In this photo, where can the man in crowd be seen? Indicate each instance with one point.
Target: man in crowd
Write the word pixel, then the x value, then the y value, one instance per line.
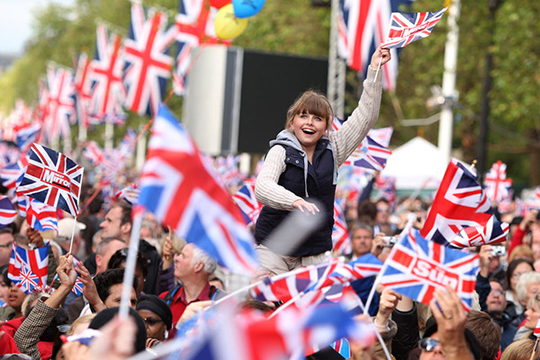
pixel 118 223
pixel 192 267
pixel 502 312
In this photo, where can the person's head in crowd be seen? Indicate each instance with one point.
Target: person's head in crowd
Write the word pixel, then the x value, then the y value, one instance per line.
pixel 431 348
pixel 105 249
pixel 80 324
pixel 521 252
pixel 367 212
pixel 383 211
pixel 193 265
pixel 118 261
pixel 487 333
pixel 148 230
pixel 520 350
pixel 216 281
pixel 533 312
pixel 109 285
pixel 361 239
pixel 496 301
pixel 514 271
pixel 157 316
pixel 535 249
pixel 527 287
pixel 253 304
pixel 104 316
pixel 65 230
pixel 6 241
pixel 118 221
pixel 4 281
pixel 15 299
pixel 96 239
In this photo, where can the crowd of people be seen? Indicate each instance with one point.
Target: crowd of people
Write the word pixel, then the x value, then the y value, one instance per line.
pixel 174 279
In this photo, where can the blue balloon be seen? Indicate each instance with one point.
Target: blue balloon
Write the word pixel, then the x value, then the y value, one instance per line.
pixel 247 8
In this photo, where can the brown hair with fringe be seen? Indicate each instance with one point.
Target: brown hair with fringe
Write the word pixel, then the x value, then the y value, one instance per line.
pixel 311 102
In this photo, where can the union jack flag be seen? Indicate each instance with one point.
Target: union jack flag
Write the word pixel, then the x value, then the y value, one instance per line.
pixel 340 233
pixel 492 232
pixel 195 25
pixel 382 135
pixel 370 154
pixel 8 214
pixel 53 179
pixel 108 92
pixel 362 26
pixel 58 102
pixel 248 204
pixel 127 144
pixel 363 267
pixel 460 202
pixel 147 65
pixel 12 171
pixel 387 188
pixel 408 27
pixel 497 185
pixel 537 329
pixel 41 216
pixel 93 153
pixel 130 194
pixel 181 192
pixel 417 267
pixel 83 87
pixel 284 287
pixel 27 135
pixel 28 268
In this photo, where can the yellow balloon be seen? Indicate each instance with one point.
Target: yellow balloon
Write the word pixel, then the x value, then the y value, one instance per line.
pixel 227 25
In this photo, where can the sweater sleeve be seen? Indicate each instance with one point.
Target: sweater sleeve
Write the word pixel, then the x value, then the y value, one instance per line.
pixel 32 328
pixel 267 190
pixel 354 130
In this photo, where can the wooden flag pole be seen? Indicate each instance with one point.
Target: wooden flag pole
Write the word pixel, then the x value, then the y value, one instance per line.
pixel 534 349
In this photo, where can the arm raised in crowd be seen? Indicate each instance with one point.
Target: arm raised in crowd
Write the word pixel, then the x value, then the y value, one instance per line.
pixel 28 334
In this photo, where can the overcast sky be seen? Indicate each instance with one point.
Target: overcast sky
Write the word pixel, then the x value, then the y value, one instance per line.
pixel 16 17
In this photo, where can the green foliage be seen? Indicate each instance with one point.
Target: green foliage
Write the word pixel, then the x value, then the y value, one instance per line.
pixel 295 27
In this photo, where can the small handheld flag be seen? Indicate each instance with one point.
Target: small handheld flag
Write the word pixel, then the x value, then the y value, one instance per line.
pixel 408 27
pixel 53 179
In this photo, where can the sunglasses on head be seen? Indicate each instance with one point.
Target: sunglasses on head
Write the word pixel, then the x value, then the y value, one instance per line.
pixel 428 344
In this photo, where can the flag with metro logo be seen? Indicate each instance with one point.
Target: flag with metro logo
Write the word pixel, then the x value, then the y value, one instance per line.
pixel 408 27
pixel 417 267
pixel 29 268
pixel 52 178
pixel 183 194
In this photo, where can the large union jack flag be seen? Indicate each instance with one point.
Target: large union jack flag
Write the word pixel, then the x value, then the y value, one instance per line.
pixel 362 26
pixel 147 65
pixel 178 188
pixel 460 202
pixel 53 179
pixel 408 27
pixel 417 267
pixel 248 204
pixel 58 102
pixel 28 268
pixel 108 92
pixel 497 185
pixel 195 25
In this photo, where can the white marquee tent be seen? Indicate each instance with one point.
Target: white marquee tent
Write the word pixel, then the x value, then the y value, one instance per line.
pixel 417 164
